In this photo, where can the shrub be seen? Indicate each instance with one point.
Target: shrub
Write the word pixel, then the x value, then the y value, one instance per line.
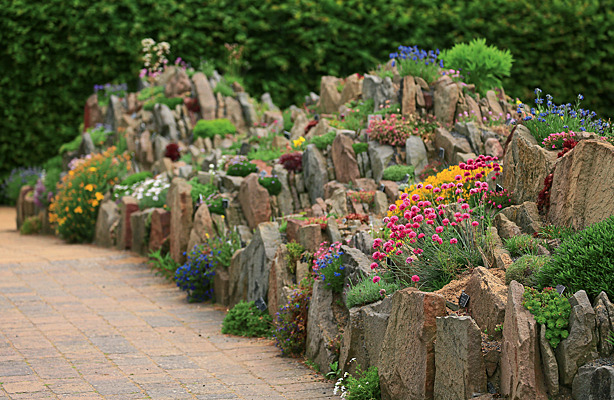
pixel 72 146
pixel 328 266
pixel 264 154
pixel 584 261
pixel 149 92
pixel 171 102
pixel 195 276
pixel 523 270
pixel 549 232
pixel 367 291
pixel 162 264
pixel 292 162
pixel 200 192
pixel 10 188
pixel 172 152
pixel 210 128
pixel 291 320
pixel 46 186
pixel 136 178
pixel 360 147
pixel 480 64
pixel 75 206
pixel 240 166
pixel 393 130
pixel 355 118
pixel 417 62
pixel 223 248
pixel 99 134
pixel 272 184
pixel 550 309
pixel 545 120
pixel 521 245
pixel 322 142
pixel 398 173
pixel 362 196
pixel 32 225
pixel 245 319
pixel 363 386
pixel 295 251
pixel 151 193
pixel 224 89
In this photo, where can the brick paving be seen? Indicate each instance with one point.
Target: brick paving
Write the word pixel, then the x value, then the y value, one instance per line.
pixel 81 322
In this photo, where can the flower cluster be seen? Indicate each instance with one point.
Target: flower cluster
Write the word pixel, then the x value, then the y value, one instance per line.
pixel 498 199
pixel 410 60
pixel 154 57
pixel 393 130
pixel 363 196
pixel 328 266
pixel 172 151
pixel 150 193
pixel 75 206
pixel 555 140
pixel 291 320
pixel 104 92
pixel 292 162
pixel 240 166
pixel 21 176
pixel 544 119
pixel 435 231
pixel 195 276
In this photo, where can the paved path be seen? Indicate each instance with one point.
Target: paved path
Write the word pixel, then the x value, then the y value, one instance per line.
pixel 81 322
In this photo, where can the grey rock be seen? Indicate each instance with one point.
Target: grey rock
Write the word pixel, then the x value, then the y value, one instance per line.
pixel 445 97
pixel 234 113
pixel 202 228
pixel 473 134
pixel 357 266
pixel 330 98
pixel 505 227
pixel 87 145
pixel 115 112
pixel 332 230
pixel 488 300
pixel 594 383
pixel 231 183
pixel 551 367
pixel 604 314
pixel 581 344
pixel 279 278
pixel 415 153
pixel 108 216
pixel 300 123
pixel 451 144
pixel 363 241
pixel 314 171
pixel 525 216
pixel 180 203
pixel 321 326
pixel 338 203
pixel 266 99
pixel 249 112
pixel 237 279
pixel 379 90
pixel 205 95
pixel 160 142
pixel 380 203
pixel 381 157
pixel 284 198
pixel 257 258
pixel 460 371
pixel 140 231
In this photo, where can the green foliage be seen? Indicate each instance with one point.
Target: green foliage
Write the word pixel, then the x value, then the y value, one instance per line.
pixel 99 135
pixel 412 61
pixel 150 92
pixel 295 250
pixel 245 319
pixel 584 261
pixel 322 142
pixel 523 270
pixel 367 291
pixel 335 371
pixel 555 232
pixel 171 102
pixel 31 225
pixel 479 64
pixel 224 89
pixel 223 247
pixel 136 178
pixel 241 167
pixel 356 116
pixel 58 46
pixel 272 184
pixel 328 265
pixel 264 154
pixel 363 386
pixel 549 309
pixel 360 147
pixel 283 226
pixel 162 264
pixel 195 276
pixel 210 128
pixel 397 173
pixel 200 191
pixel 521 244
pixel 12 184
pixel 291 320
pixel 71 146
pixel 287 116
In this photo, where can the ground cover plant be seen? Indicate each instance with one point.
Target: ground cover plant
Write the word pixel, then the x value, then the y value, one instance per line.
pixel 240 166
pixel 210 128
pixel 370 289
pixel 412 61
pixel 272 184
pixel 150 193
pixel 74 208
pixel 551 310
pixel 162 264
pixel 328 265
pixel 364 385
pixel 521 245
pixel 398 173
pixel 524 269
pixel 245 319
pixel 195 276
pixel 291 320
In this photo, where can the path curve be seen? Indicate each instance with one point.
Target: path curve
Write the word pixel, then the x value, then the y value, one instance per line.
pixel 82 322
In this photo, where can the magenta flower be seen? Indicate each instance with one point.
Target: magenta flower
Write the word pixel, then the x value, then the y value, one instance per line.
pixel 453 241
pixel 415 278
pixel 373 265
pixel 376 279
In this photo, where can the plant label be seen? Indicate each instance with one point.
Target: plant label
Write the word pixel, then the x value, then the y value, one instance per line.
pixel 463 300
pixel 560 289
pixel 442 153
pixel 260 304
pixel 225 203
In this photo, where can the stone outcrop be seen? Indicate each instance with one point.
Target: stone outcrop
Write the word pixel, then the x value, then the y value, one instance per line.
pixel 488 300
pixel 257 258
pixel 160 228
pixel 582 192
pixel 322 327
pixel 451 145
pixel 415 153
pixel 344 160
pixel 378 89
pixel 381 157
pixel 604 317
pixel 551 367
pixel 330 98
pixel 525 216
pixel 445 97
pixel 521 371
pixel 352 89
pixel 202 228
pixel 407 357
pixel 138 223
pixel 314 172
pixel 254 200
pixel 107 220
pixel 526 165
pixel 460 372
pixel 127 206
pixel 179 200
pixel 205 95
pixel 594 383
pixel 279 278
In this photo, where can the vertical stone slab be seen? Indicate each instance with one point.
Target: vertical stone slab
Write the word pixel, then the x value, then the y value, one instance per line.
pixel 521 369
pixel 108 216
pixel 138 223
pixel 202 228
pixel 344 159
pixel 314 172
pixel 127 206
pixel 160 228
pixel 205 95
pixel 257 259
pixel 255 201
pixel 407 358
pixel 180 203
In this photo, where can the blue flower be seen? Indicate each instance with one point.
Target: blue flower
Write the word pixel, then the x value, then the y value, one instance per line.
pixel 580 97
pixel 537 91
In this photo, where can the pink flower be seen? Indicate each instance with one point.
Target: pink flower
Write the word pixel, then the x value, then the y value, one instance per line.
pixel 376 279
pixel 404 196
pixel 415 197
pixel 453 241
pixel 373 265
pixel 415 278
pixel 475 223
pixel 445 221
pixel 435 237
pixel 420 235
pixel 439 229
pixel 392 207
pixel 409 260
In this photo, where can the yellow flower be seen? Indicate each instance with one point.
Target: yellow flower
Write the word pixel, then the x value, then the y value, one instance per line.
pixel 78 210
pixel 92 169
pixel 71 172
pixel 89 187
pixel 94 203
pixel 99 196
pixel 298 141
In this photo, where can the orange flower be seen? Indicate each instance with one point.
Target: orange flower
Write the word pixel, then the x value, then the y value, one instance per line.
pixel 78 210
pixel 89 187
pixel 99 196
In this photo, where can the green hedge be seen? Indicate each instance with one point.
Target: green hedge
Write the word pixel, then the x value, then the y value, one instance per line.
pixel 54 51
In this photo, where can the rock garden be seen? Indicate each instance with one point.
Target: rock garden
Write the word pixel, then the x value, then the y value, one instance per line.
pixel 411 231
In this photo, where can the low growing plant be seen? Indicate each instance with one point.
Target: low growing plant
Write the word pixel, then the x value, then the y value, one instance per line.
pixel 31 225
pixel 104 92
pixel 162 264
pixel 368 291
pixel 549 309
pixel 295 251
pixel 19 177
pixel 272 184
pixel 584 261
pixel 292 162
pixel 195 276
pixel 328 266
pixel 240 166
pixel 498 199
pixel 210 128
pixel 550 232
pixel 363 386
pixel 360 147
pixel 523 270
pixel 291 320
pixel 322 142
pixel 264 154
pixel 136 178
pixel 398 173
pixel 521 245
pixel 245 319
pixel 412 61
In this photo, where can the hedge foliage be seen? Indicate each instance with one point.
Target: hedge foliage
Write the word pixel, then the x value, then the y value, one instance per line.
pixel 52 49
